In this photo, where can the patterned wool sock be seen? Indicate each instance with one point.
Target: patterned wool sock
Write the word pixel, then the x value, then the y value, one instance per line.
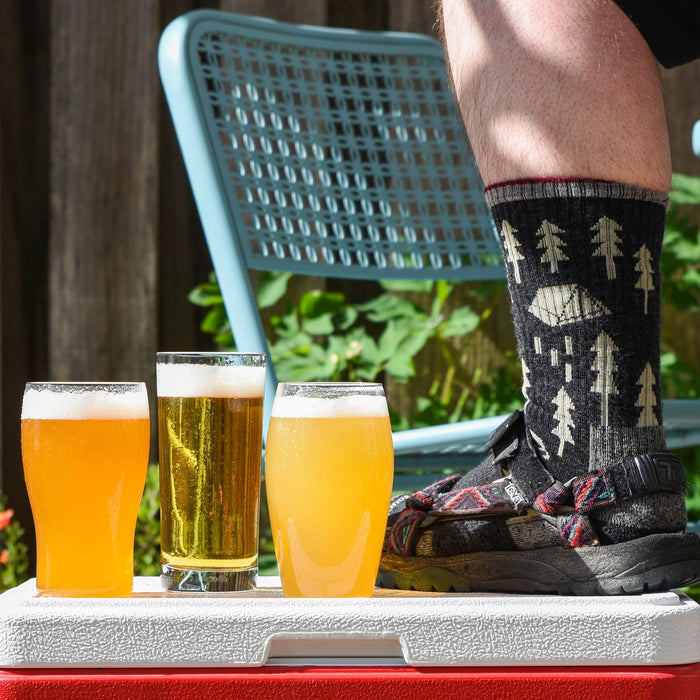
pixel 583 274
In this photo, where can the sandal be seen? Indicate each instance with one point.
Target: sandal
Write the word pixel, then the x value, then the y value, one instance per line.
pixel 510 526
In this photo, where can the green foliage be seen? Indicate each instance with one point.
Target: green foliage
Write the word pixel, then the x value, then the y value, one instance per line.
pixel 14 562
pixel 147 535
pixel 680 262
pixel 325 337
pixel 680 269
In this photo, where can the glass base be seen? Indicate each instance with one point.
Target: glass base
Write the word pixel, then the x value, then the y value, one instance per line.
pixel 193 580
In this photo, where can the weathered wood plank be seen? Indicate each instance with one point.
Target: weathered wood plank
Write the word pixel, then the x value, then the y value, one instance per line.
pixel 103 164
pixel 361 14
pixel 412 16
pixel 183 258
pixel 682 97
pixel 24 200
pixel 302 11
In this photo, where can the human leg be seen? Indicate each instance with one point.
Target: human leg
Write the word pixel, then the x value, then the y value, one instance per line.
pixel 557 89
pixel 563 107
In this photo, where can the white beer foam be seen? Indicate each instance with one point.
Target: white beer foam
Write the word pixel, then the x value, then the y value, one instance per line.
pixel 43 404
pixel 341 407
pixel 231 381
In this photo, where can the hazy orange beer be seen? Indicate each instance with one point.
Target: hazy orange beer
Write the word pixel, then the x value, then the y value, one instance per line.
pixel 329 465
pixel 85 455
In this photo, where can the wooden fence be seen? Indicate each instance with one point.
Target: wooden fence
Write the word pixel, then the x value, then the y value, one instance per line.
pixel 100 242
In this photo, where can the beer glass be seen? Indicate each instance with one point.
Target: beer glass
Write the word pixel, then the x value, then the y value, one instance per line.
pixel 210 439
pixel 85 454
pixel 329 467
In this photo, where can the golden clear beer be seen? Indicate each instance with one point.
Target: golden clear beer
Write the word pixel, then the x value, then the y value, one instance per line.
pixel 85 454
pixel 329 466
pixel 210 442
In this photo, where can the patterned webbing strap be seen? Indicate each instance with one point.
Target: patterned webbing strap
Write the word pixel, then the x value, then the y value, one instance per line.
pixel 633 476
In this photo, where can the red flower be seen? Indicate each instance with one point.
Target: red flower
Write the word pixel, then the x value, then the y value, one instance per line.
pixel 5 518
pixel 4 556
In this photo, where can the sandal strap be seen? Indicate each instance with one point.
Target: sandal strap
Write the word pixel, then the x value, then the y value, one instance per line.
pixel 632 476
pixel 528 484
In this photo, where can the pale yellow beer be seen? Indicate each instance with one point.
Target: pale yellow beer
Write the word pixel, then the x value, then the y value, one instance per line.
pixel 85 454
pixel 329 470
pixel 210 442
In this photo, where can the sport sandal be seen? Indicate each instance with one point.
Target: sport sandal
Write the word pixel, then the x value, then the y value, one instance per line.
pixel 510 526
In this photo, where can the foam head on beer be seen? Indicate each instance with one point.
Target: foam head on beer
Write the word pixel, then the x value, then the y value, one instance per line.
pixel 85 402
pixel 215 381
pixel 354 406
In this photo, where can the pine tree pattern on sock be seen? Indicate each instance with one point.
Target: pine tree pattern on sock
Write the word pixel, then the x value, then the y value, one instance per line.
pixel 583 274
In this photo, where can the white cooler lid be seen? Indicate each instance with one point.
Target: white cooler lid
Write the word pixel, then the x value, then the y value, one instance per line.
pixel 152 628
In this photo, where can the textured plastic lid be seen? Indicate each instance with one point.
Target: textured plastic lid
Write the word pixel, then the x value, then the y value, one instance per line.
pixel 152 628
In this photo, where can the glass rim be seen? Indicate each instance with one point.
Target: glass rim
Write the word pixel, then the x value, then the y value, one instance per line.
pixel 87 385
pixel 331 384
pixel 328 390
pixel 195 357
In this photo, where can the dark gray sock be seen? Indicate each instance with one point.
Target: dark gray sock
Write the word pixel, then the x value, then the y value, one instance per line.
pixel 583 275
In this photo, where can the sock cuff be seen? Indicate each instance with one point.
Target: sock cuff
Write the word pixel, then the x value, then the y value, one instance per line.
pixel 548 188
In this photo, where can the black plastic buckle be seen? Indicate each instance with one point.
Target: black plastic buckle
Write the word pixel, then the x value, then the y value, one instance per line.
pixel 661 471
pixel 502 429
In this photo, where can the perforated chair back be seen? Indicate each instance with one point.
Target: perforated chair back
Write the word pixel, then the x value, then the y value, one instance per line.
pixel 323 151
pixel 341 152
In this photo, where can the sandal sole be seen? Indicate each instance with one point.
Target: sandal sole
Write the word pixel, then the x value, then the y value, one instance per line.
pixel 645 565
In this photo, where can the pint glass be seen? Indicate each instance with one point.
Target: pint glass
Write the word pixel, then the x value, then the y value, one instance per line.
pixel 210 439
pixel 329 469
pixel 85 454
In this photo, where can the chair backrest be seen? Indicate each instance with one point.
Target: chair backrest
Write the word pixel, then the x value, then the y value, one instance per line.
pixel 323 151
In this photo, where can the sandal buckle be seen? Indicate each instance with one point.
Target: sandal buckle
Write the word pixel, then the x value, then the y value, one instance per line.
pixel 661 471
pixel 502 429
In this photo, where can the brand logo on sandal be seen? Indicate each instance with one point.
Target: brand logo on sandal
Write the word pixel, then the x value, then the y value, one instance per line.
pixel 517 499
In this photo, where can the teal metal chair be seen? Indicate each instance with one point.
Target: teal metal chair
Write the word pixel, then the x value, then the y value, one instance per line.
pixel 334 153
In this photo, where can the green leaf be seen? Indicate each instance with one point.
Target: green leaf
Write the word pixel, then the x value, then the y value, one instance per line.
pixel 401 367
pixel 362 345
pixel 392 337
pixel 286 326
pixel 420 286
pixel 415 342
pixel 205 294
pixel 318 325
pixel 316 303
pixel 461 322
pixel 685 189
pixel 310 363
pixel 215 321
pixel 347 318
pixel 398 421
pixel 443 289
pixel 225 340
pixel 387 306
pixel 271 287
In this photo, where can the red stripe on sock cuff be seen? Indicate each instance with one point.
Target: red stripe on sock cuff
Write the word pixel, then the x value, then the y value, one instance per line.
pixel 532 180
pixel 546 187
